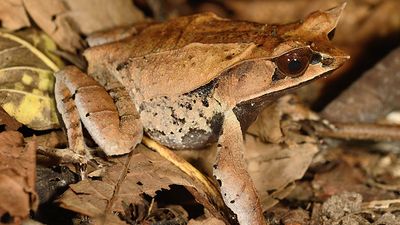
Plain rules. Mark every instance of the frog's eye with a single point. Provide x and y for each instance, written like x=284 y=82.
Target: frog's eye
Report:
x=294 y=63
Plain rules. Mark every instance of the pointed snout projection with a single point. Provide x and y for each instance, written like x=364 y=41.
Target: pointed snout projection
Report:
x=318 y=28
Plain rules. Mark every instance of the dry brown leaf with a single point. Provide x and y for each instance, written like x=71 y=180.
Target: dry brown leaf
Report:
x=17 y=177
x=64 y=21
x=207 y=221
x=13 y=15
x=276 y=11
x=364 y=19
x=124 y=183
x=9 y=122
x=274 y=146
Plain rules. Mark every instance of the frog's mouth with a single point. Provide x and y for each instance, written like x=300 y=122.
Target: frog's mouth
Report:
x=247 y=111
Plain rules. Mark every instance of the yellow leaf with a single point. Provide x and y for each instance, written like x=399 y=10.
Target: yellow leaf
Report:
x=26 y=78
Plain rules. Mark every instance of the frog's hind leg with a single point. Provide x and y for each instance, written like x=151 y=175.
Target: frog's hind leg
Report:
x=236 y=185
x=115 y=127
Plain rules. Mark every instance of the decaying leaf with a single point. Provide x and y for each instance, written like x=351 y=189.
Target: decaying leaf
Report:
x=26 y=78
x=64 y=21
x=274 y=146
x=17 y=177
x=7 y=121
x=207 y=221
x=13 y=15
x=123 y=184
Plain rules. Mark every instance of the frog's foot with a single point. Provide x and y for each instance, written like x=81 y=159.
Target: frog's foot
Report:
x=80 y=96
x=64 y=156
x=237 y=188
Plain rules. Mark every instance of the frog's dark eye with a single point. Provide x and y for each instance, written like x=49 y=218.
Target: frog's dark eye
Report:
x=294 y=63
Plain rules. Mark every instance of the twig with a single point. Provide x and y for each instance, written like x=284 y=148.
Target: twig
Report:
x=358 y=131
x=187 y=168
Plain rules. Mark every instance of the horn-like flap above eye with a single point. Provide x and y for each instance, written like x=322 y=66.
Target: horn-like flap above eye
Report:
x=320 y=23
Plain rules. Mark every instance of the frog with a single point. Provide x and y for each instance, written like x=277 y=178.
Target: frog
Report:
x=193 y=81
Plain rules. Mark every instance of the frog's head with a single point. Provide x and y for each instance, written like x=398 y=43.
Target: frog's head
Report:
x=304 y=50
x=290 y=56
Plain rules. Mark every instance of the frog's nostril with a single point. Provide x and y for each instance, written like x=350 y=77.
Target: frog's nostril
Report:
x=315 y=58
x=327 y=61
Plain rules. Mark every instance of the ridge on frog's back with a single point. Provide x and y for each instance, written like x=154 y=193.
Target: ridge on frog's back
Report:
x=184 y=73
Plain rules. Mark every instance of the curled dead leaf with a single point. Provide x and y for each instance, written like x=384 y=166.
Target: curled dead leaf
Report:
x=17 y=176
x=13 y=15
x=64 y=21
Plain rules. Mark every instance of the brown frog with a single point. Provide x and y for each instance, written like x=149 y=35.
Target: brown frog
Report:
x=196 y=80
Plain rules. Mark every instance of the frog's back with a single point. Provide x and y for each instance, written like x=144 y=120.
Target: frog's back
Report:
x=185 y=53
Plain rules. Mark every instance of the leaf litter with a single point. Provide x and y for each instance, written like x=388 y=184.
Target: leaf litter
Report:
x=17 y=177
x=125 y=183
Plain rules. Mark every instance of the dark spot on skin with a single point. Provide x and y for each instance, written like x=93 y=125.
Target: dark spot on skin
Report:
x=87 y=115
x=201 y=115
x=229 y=57
x=205 y=102
x=180 y=130
x=155 y=114
x=171 y=132
x=277 y=76
x=274 y=31
x=176 y=119
x=151 y=162
x=327 y=61
x=122 y=66
x=215 y=166
x=155 y=133
x=233 y=201
x=219 y=182
x=186 y=105
x=219 y=145
x=141 y=108
x=139 y=183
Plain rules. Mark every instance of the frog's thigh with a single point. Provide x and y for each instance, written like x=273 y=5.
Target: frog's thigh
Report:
x=116 y=134
x=237 y=188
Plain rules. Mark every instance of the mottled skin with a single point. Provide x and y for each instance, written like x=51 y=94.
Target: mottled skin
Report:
x=191 y=120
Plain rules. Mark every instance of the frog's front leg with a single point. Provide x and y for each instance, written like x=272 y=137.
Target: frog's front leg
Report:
x=237 y=188
x=116 y=131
